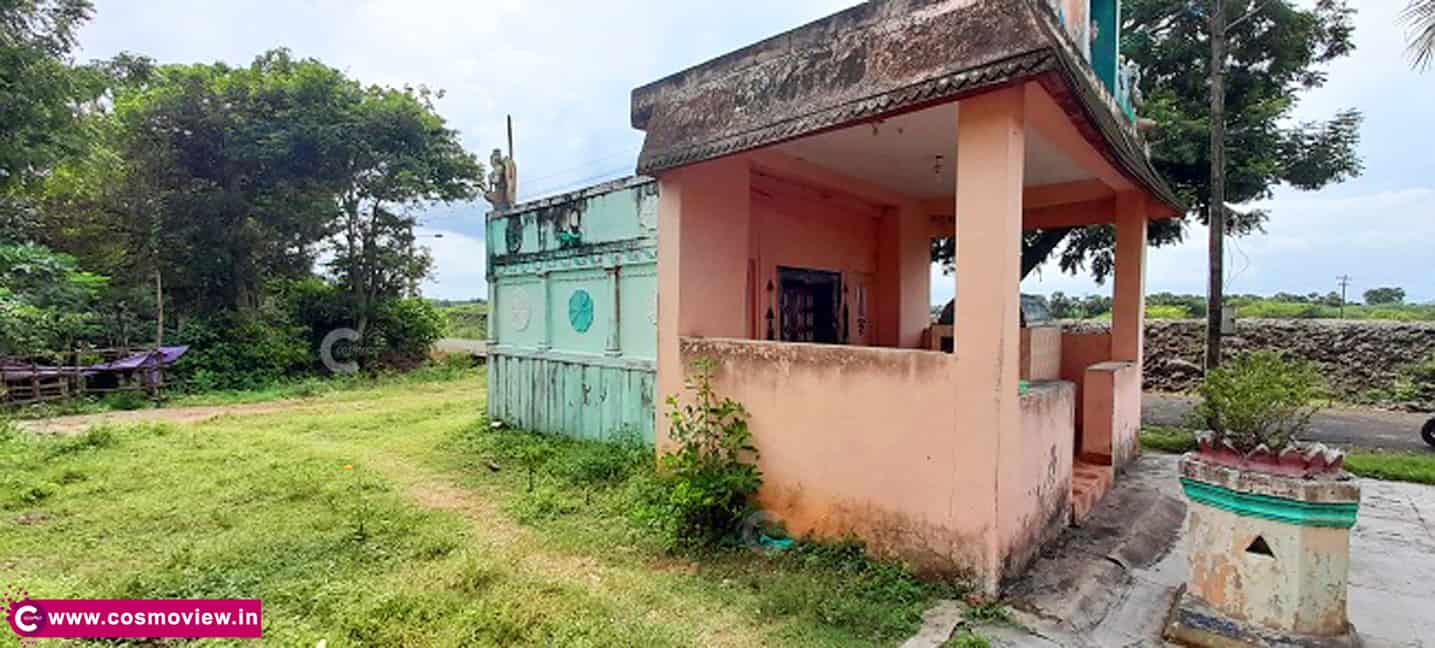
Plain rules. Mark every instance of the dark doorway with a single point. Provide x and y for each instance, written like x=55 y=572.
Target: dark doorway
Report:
x=810 y=301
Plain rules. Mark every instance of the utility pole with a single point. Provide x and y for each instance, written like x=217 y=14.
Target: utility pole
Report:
x=1217 y=216
x=1344 y=281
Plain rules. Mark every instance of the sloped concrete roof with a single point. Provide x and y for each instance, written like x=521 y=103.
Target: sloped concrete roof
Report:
x=874 y=59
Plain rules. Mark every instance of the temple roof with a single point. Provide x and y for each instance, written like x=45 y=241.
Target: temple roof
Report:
x=879 y=58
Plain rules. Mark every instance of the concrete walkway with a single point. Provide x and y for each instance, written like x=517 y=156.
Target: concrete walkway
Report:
x=1359 y=427
x=1111 y=582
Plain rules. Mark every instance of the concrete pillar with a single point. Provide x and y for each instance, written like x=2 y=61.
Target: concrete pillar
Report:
x=887 y=302
x=916 y=276
x=904 y=257
x=1128 y=307
x=492 y=327
x=614 y=347
x=546 y=342
x=990 y=167
x=704 y=241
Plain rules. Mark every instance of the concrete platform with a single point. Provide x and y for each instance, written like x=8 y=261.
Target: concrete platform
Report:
x=1112 y=581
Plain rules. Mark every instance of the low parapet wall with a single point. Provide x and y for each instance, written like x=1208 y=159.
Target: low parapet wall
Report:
x=867 y=442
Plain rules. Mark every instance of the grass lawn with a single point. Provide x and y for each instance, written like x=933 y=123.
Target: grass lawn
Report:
x=372 y=516
x=293 y=388
x=1417 y=467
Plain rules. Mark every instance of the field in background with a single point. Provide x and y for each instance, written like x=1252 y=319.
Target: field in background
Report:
x=466 y=320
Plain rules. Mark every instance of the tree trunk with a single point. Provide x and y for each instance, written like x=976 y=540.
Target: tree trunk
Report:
x=1217 y=202
x=159 y=309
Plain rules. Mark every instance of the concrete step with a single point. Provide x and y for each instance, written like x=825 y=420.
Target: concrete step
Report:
x=1089 y=483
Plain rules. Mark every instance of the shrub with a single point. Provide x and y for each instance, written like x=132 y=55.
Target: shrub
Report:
x=230 y=351
x=1259 y=398
x=403 y=333
x=708 y=482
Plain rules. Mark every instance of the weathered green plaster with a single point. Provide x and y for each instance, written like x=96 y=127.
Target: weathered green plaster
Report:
x=575 y=326
x=1105 y=49
x=1314 y=514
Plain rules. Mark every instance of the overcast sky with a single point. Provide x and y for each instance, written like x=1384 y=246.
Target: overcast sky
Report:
x=564 y=69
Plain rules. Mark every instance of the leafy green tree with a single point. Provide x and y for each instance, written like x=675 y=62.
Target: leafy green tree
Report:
x=38 y=92
x=1276 y=51
x=397 y=155
x=217 y=177
x=45 y=300
x=1383 y=296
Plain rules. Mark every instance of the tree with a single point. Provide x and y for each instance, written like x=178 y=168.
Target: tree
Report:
x=37 y=89
x=1275 y=51
x=397 y=155
x=1384 y=296
x=45 y=300
x=228 y=177
x=1420 y=16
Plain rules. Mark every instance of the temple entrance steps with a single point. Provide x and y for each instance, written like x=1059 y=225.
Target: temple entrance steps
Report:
x=1091 y=479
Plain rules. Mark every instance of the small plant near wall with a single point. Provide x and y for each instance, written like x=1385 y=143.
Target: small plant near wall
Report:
x=1259 y=399
x=707 y=483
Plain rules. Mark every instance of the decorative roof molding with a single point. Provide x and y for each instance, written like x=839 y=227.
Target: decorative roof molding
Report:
x=572 y=196
x=879 y=58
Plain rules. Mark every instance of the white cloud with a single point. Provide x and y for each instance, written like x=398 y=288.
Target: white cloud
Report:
x=460 y=264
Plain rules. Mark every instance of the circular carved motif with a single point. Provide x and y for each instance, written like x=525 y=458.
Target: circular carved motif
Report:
x=580 y=311
x=520 y=312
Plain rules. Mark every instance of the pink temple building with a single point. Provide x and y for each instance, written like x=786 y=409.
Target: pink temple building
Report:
x=802 y=180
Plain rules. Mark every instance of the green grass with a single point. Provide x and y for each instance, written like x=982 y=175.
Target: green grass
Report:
x=1297 y=310
x=967 y=639
x=467 y=321
x=452 y=367
x=421 y=542
x=1168 y=439
x=1415 y=467
x=1393 y=466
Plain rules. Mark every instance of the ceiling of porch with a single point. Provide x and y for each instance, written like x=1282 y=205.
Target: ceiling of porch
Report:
x=900 y=154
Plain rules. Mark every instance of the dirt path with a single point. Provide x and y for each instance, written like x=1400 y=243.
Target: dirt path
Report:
x=82 y=422
x=1343 y=426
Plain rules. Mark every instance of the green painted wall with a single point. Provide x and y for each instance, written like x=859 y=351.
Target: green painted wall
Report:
x=573 y=324
x=1106 y=49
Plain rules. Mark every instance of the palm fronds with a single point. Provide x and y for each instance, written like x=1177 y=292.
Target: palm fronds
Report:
x=1419 y=17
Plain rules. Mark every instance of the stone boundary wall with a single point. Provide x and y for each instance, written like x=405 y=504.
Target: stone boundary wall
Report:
x=1355 y=356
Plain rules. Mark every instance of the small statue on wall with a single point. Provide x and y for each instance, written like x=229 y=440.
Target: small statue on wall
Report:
x=1131 y=81
x=502 y=190
x=502 y=181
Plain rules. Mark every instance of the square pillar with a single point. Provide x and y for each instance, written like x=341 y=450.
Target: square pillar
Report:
x=704 y=243
x=1128 y=300
x=904 y=258
x=990 y=175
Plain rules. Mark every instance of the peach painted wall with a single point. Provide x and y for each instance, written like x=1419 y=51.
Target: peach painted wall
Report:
x=703 y=217
x=1078 y=23
x=795 y=227
x=1111 y=416
x=1035 y=500
x=1041 y=353
x=863 y=442
x=1079 y=351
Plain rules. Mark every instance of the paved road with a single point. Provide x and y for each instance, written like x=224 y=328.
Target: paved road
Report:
x=1111 y=581
x=461 y=345
x=1366 y=428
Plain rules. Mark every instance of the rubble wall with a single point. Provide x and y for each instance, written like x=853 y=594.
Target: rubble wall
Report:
x=1356 y=357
